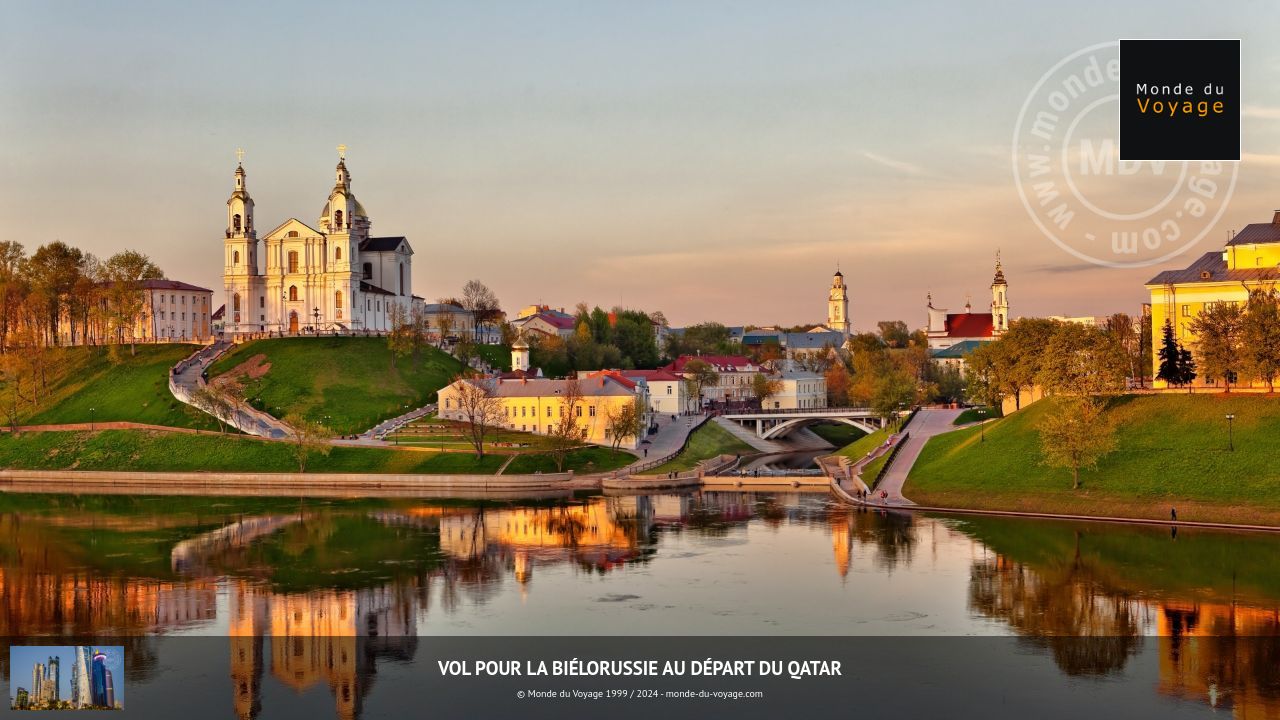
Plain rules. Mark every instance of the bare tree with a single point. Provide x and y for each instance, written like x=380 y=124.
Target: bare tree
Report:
x=481 y=302
x=566 y=433
x=624 y=422
x=214 y=403
x=479 y=408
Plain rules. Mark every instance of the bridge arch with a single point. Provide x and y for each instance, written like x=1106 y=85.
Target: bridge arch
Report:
x=785 y=428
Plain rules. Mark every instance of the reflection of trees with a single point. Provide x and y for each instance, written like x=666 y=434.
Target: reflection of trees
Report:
x=1061 y=608
x=892 y=534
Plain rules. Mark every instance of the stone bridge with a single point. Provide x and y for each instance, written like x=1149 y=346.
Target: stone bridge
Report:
x=773 y=424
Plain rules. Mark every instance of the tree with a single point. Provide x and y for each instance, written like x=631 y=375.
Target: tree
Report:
x=627 y=420
x=894 y=333
x=565 y=433
x=13 y=288
x=1260 y=336
x=981 y=383
x=1218 y=347
x=479 y=407
x=214 y=403
x=698 y=375
x=53 y=270
x=481 y=302
x=894 y=391
x=1186 y=367
x=837 y=385
x=1170 y=356
x=309 y=438
x=1120 y=327
x=1074 y=434
x=126 y=297
x=764 y=387
x=1081 y=360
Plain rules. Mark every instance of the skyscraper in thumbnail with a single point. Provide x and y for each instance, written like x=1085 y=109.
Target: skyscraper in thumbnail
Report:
x=37 y=683
x=81 y=677
x=52 y=678
x=111 y=691
x=100 y=678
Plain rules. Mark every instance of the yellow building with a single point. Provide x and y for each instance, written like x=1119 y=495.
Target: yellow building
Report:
x=1248 y=261
x=537 y=404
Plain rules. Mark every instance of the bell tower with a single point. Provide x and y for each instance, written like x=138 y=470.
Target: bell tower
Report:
x=241 y=242
x=838 y=305
x=999 y=301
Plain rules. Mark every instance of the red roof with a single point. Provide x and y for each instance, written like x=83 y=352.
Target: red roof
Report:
x=719 y=362
x=969 y=325
x=658 y=375
x=613 y=375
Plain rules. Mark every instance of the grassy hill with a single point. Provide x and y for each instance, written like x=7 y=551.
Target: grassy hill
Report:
x=1171 y=451
x=347 y=384
x=132 y=388
x=146 y=451
x=706 y=442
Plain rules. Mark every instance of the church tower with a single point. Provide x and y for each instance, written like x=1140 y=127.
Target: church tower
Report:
x=999 y=301
x=240 y=274
x=838 y=306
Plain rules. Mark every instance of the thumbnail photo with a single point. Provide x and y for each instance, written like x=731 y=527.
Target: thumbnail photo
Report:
x=66 y=677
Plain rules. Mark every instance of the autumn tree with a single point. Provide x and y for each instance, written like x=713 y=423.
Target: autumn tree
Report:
x=837 y=377
x=1081 y=360
x=479 y=408
x=764 y=387
x=1260 y=336
x=124 y=274
x=624 y=421
x=1076 y=435
x=1219 y=347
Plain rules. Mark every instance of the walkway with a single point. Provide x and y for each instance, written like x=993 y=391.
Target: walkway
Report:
x=669 y=439
x=188 y=375
x=379 y=431
x=926 y=423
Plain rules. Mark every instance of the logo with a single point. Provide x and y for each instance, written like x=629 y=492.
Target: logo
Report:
x=1078 y=191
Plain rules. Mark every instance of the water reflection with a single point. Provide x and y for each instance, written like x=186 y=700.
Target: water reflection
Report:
x=318 y=594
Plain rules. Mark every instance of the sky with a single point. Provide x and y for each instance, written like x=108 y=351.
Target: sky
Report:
x=712 y=160
x=23 y=659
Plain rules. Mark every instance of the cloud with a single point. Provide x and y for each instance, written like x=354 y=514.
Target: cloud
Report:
x=1259 y=111
x=900 y=165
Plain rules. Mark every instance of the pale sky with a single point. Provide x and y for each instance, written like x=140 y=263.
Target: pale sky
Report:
x=713 y=160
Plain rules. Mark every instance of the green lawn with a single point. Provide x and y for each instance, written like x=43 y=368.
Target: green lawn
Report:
x=347 y=384
x=498 y=356
x=159 y=451
x=707 y=441
x=1171 y=451
x=864 y=445
x=89 y=386
x=585 y=460
x=838 y=434
x=873 y=467
x=972 y=415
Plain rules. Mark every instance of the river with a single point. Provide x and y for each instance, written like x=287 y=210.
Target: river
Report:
x=703 y=563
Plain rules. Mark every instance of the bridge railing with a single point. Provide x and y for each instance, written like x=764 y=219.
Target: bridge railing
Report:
x=802 y=411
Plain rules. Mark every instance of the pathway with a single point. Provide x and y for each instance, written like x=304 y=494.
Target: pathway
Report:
x=926 y=423
x=187 y=376
x=670 y=438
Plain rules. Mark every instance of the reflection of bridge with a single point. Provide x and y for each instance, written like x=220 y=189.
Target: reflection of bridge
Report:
x=780 y=423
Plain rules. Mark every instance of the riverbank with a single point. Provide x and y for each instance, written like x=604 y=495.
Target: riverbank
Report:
x=1172 y=451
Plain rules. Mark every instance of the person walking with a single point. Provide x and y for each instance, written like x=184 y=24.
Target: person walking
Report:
x=1173 y=514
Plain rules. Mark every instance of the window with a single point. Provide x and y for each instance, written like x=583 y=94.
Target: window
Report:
x=548 y=411
x=1186 y=311
x=337 y=253
x=337 y=219
x=235 y=258
x=337 y=299
x=579 y=411
x=235 y=222
x=235 y=302
x=591 y=411
x=262 y=301
x=401 y=278
x=293 y=261
x=367 y=271
x=293 y=293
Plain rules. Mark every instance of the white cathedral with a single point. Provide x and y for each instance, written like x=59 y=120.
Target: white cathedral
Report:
x=336 y=278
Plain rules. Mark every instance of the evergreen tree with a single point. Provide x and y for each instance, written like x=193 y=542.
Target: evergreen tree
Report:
x=1186 y=371
x=1170 y=357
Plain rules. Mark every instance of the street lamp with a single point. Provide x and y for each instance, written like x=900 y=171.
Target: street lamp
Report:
x=982 y=426
x=315 y=326
x=1231 y=445
x=91 y=419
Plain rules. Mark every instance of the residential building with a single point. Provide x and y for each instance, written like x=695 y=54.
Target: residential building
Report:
x=1247 y=262
x=666 y=390
x=448 y=321
x=800 y=389
x=734 y=383
x=168 y=311
x=333 y=277
x=537 y=405
x=545 y=320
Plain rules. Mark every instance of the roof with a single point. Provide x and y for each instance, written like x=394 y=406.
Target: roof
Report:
x=613 y=375
x=658 y=375
x=959 y=350
x=217 y=314
x=369 y=287
x=1258 y=233
x=172 y=285
x=813 y=340
x=603 y=385
x=1216 y=269
x=969 y=325
x=382 y=244
x=442 y=308
x=557 y=320
x=720 y=362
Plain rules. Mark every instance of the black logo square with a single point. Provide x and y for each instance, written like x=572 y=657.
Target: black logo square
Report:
x=1180 y=100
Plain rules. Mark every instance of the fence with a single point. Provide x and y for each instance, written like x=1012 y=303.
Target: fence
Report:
x=893 y=453
x=649 y=464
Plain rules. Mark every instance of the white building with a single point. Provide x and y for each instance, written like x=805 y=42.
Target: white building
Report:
x=333 y=277
x=800 y=389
